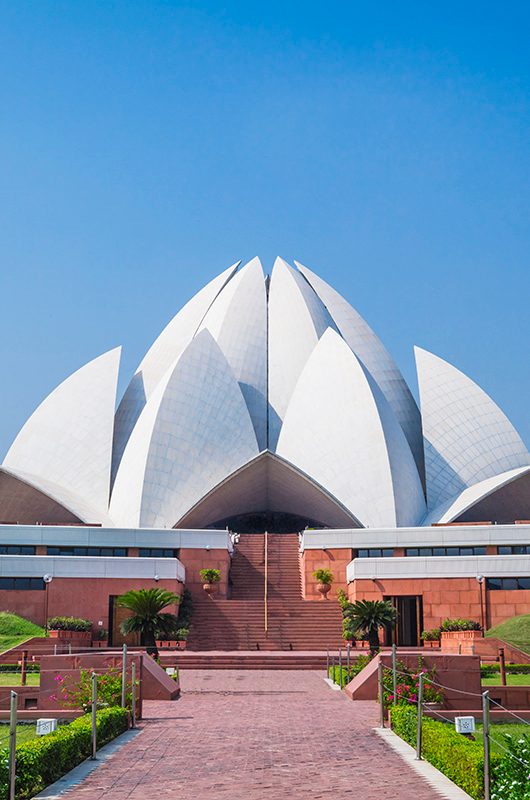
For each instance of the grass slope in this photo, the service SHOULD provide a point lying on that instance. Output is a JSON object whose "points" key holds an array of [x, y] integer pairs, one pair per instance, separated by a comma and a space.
{"points": [[15, 629], [516, 631], [511, 680]]}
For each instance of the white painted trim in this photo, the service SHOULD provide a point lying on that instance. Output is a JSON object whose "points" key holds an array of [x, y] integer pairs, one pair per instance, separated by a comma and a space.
{"points": [[451, 535], [72, 535], [91, 567], [438, 567]]}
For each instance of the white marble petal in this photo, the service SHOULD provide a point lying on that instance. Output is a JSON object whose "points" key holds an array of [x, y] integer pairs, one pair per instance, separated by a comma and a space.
{"points": [[194, 431], [67, 441], [375, 357], [297, 320], [268, 483], [452, 509], [340, 430], [165, 349], [467, 437], [238, 322]]}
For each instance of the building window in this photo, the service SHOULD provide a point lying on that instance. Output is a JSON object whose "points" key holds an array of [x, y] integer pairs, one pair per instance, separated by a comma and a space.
{"points": [[158, 552], [17, 550], [375, 552], [513, 549], [508, 583], [445, 551], [22, 583], [115, 552]]}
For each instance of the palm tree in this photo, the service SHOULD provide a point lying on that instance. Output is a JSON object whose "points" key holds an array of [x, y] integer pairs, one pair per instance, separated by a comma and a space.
{"points": [[146, 619], [367, 616]]}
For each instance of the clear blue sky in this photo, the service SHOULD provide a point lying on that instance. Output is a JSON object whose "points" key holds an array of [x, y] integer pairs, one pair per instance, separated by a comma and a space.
{"points": [[145, 146]]}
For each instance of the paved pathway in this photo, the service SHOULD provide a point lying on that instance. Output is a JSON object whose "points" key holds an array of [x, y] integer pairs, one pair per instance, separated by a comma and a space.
{"points": [[254, 735]]}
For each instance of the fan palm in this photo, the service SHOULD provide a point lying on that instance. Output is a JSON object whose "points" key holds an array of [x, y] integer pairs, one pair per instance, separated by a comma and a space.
{"points": [[367, 616], [146, 618]]}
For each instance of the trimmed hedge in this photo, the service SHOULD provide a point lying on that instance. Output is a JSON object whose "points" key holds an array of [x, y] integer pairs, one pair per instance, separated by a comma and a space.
{"points": [[69, 624], [489, 670], [18, 668], [42, 761], [461, 759]]}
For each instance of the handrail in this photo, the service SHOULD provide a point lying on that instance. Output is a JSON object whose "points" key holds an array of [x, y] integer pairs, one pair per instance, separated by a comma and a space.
{"points": [[265, 588]]}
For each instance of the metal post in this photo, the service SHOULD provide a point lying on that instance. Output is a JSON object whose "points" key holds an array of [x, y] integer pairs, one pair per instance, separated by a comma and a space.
{"points": [[394, 676], [12, 746], [123, 674], [333, 667], [486, 736], [502, 664], [54, 649], [420, 717], [327, 663], [94, 720], [69, 648], [348, 659], [381, 694], [133, 689], [340, 667], [23, 664]]}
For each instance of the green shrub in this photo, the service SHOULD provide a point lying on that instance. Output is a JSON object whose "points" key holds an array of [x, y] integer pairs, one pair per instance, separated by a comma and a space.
{"points": [[323, 576], [460, 625], [18, 667], [210, 575], [182, 634], [185, 610], [510, 776], [461, 759], [44, 760], [69, 624], [348, 674], [490, 670], [408, 682]]}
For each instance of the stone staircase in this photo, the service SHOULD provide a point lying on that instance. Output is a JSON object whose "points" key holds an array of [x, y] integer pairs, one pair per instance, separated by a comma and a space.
{"points": [[239, 622]]}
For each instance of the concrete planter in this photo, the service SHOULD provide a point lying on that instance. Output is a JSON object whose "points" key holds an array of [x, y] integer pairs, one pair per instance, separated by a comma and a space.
{"points": [[175, 644], [432, 644], [462, 642], [72, 636]]}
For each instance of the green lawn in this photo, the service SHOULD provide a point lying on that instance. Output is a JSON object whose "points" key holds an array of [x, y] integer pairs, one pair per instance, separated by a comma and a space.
{"points": [[511, 680], [497, 731], [25, 732], [13, 679], [14, 630], [515, 630]]}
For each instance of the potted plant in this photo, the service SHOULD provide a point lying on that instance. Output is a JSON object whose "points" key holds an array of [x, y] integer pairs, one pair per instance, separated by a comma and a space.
{"points": [[101, 638], [431, 639], [182, 638], [210, 577], [324, 579]]}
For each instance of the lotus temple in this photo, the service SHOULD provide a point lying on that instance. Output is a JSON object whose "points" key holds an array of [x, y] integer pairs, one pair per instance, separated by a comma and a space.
{"points": [[268, 432]]}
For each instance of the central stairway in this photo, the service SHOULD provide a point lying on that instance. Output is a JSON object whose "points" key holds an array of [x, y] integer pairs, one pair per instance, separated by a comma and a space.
{"points": [[239, 622]]}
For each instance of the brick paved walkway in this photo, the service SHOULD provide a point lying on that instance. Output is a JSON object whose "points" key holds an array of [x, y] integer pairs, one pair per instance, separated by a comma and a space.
{"points": [[252, 735]]}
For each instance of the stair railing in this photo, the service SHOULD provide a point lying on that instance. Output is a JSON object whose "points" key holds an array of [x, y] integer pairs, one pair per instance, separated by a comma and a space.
{"points": [[265, 587]]}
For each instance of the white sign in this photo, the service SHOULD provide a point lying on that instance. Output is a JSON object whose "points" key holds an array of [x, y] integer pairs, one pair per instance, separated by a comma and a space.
{"points": [[170, 670], [45, 726], [465, 724]]}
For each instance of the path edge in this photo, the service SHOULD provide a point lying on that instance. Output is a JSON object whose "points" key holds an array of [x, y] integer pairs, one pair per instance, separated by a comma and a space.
{"points": [[85, 768], [443, 785]]}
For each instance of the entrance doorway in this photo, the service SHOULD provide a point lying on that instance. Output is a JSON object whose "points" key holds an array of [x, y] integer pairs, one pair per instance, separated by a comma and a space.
{"points": [[407, 630], [116, 616]]}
